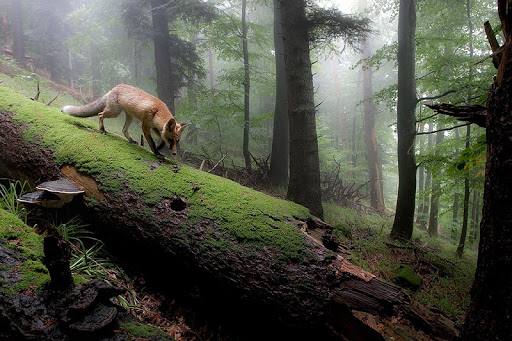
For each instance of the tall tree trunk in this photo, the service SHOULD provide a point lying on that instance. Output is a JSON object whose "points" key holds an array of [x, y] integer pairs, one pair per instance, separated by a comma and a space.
{"points": [[18, 36], [372, 157], [279, 159], [475, 217], [463, 233], [406, 122], [345, 146], [161, 41], [433, 220], [304, 186], [465, 218], [247, 87], [456, 195], [211, 69], [421, 173], [422, 217], [95, 71], [489, 316]]}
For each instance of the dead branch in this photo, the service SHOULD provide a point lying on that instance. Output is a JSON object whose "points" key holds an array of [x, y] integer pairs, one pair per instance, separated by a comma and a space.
{"points": [[470, 113], [218, 163], [36, 97], [445, 129], [53, 99]]}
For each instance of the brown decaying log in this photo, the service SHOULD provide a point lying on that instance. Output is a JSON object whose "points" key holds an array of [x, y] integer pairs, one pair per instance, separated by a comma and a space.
{"points": [[243, 283]]}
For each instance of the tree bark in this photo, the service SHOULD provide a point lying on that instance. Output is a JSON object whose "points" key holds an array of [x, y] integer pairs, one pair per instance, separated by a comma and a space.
{"points": [[406, 122], [279, 158], [304, 185], [422, 219], [489, 315], [180, 230], [161, 40], [18, 36], [247, 87], [345, 146], [372, 156], [433, 220]]}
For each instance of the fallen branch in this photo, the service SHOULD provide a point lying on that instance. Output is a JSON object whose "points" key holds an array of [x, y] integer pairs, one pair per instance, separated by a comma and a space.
{"points": [[218, 163], [53, 99]]}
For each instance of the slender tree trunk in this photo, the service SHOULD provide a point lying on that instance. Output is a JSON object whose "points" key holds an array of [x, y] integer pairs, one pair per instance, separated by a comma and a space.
{"points": [[456, 195], [161, 40], [345, 146], [422, 216], [353, 142], [406, 122], [433, 220], [95, 71], [421, 174], [304, 186], [211, 68], [18, 36], [475, 217], [462, 241], [247, 87], [463, 233], [279, 159], [372, 157]]}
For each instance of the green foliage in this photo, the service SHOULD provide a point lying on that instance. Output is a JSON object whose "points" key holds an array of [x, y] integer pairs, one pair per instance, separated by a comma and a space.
{"points": [[472, 157], [9, 198]]}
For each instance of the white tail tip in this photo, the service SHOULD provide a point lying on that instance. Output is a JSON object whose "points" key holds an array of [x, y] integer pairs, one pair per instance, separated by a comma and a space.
{"points": [[66, 108]]}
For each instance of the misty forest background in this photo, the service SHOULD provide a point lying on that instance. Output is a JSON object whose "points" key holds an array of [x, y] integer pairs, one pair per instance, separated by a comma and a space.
{"points": [[220, 65]]}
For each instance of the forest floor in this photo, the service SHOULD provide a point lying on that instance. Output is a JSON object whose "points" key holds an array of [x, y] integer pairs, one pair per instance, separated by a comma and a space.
{"points": [[443, 285]]}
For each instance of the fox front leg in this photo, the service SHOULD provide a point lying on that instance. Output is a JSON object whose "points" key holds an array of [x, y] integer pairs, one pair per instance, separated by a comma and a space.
{"points": [[147, 134]]}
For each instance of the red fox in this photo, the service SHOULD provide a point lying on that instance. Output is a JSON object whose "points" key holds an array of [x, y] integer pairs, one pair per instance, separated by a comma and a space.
{"points": [[152, 112]]}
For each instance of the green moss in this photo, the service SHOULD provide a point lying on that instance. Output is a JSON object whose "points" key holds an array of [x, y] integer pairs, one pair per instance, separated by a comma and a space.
{"points": [[244, 214], [407, 277], [19, 236], [139, 330]]}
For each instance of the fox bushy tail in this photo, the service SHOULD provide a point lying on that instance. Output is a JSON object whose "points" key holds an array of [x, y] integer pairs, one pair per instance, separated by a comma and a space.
{"points": [[87, 110]]}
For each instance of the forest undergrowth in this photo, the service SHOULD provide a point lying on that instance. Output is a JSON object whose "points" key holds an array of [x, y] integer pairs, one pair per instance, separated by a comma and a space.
{"points": [[444, 279]]}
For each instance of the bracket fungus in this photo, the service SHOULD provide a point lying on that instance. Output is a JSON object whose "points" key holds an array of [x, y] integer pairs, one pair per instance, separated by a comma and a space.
{"points": [[52, 194]]}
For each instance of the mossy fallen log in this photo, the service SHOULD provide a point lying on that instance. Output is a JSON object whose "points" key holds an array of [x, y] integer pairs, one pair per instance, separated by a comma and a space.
{"points": [[248, 256]]}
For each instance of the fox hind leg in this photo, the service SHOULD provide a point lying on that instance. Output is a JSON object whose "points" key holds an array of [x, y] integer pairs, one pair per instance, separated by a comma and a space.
{"points": [[127, 123], [110, 111]]}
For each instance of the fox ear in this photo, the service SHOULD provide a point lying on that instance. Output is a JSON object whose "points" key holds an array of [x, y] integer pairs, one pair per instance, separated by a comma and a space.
{"points": [[183, 125], [171, 124]]}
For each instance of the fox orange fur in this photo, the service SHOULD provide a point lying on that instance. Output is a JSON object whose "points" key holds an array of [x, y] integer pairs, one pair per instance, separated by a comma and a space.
{"points": [[152, 112]]}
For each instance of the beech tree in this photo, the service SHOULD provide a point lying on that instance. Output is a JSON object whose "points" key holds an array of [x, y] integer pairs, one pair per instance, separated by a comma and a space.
{"points": [[372, 156], [406, 122], [279, 157]]}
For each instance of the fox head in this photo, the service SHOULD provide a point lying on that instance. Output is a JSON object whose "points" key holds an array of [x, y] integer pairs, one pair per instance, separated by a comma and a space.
{"points": [[171, 133]]}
